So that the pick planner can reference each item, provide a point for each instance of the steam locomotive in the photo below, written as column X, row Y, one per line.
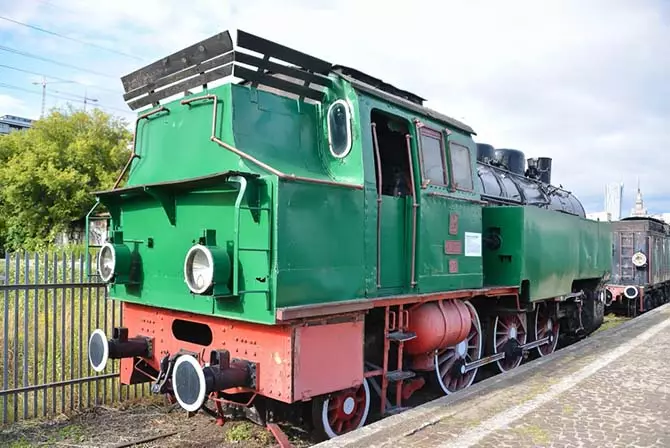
column 311, row 238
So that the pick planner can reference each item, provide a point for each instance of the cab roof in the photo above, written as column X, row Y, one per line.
column 218, row 57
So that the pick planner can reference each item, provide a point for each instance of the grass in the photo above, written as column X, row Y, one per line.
column 568, row 410
column 246, row 432
column 535, row 433
column 22, row 443
column 611, row 321
column 45, row 333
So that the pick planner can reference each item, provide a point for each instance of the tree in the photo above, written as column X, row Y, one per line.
column 48, row 172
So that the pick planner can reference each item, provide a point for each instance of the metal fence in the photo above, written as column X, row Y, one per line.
column 49, row 306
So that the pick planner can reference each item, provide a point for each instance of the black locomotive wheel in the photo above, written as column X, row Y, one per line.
column 509, row 331
column 341, row 412
column 545, row 323
column 450, row 362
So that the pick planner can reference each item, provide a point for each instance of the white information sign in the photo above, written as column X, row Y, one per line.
column 473, row 244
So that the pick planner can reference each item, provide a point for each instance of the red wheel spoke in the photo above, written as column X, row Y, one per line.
column 449, row 354
column 444, row 368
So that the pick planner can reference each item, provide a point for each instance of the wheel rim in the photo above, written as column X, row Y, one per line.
column 345, row 410
column 448, row 362
column 506, row 328
column 546, row 324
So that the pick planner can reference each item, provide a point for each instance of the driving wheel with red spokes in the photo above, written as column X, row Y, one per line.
column 546, row 324
column 509, row 332
column 341, row 412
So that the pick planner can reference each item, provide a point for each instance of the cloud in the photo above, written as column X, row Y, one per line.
column 582, row 82
column 10, row 103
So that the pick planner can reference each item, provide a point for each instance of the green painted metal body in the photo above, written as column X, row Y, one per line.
column 296, row 243
column 550, row 250
column 311, row 243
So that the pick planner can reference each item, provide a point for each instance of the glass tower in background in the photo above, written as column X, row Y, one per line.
column 613, row 196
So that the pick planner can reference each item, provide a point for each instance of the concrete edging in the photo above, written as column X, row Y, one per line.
column 427, row 410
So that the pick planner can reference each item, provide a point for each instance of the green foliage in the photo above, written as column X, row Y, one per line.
column 47, row 173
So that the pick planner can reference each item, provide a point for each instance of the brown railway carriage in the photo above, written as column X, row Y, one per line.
column 640, row 265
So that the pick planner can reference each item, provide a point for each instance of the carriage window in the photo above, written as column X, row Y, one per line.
column 461, row 168
column 432, row 157
column 339, row 129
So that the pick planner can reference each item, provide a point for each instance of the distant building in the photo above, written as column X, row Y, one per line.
column 76, row 231
column 599, row 216
column 639, row 209
column 613, row 197
column 11, row 123
column 665, row 217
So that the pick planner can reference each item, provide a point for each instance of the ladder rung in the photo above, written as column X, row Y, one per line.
column 402, row 336
column 399, row 375
column 253, row 249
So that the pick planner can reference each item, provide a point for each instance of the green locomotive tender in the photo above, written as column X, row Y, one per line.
column 310, row 235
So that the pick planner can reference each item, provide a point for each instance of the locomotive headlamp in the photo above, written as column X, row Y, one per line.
column 639, row 259
column 631, row 292
column 205, row 268
column 114, row 263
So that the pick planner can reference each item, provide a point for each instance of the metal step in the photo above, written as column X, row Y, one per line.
column 399, row 375
column 402, row 336
column 393, row 410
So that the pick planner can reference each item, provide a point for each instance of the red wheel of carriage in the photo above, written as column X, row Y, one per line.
column 341, row 412
column 509, row 330
column 450, row 361
column 545, row 323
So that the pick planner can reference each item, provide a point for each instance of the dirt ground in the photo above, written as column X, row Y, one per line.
column 133, row 422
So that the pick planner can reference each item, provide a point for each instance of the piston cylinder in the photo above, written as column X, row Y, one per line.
column 437, row 325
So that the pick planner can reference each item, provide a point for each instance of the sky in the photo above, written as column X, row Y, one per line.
column 583, row 82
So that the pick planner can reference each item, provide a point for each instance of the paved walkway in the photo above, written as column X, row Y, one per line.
column 610, row 390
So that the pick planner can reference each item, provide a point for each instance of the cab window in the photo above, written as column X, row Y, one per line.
column 461, row 168
column 339, row 129
column 433, row 163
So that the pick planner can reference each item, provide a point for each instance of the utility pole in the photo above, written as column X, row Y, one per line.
column 44, row 94
column 87, row 98
column 44, row 83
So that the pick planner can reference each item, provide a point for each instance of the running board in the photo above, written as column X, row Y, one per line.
column 522, row 349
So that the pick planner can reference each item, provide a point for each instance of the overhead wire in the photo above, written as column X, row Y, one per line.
column 98, row 105
column 62, row 36
column 52, row 61
column 8, row 49
column 56, row 78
